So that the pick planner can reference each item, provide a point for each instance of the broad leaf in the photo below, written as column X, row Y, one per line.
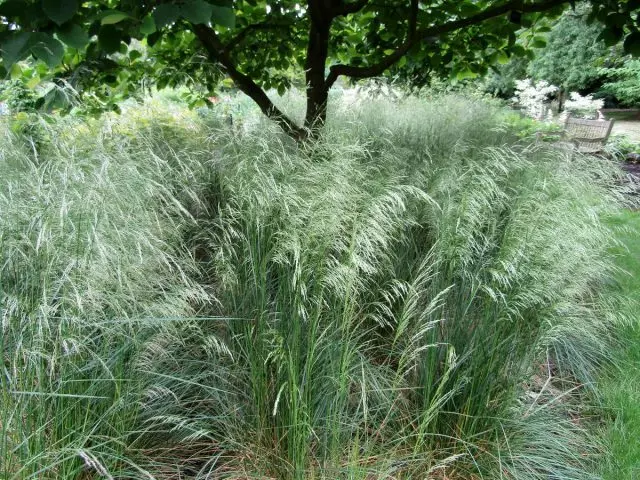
column 518, row 50
column 55, row 99
column 633, row 5
column 46, row 48
column 224, row 16
column 33, row 82
column 15, row 48
column 465, row 74
column 15, row 71
column 74, row 36
column 197, row 11
column 228, row 3
column 12, row 8
column 112, row 17
column 134, row 55
column 539, row 42
column 611, row 36
column 467, row 9
column 166, row 14
column 616, row 19
column 632, row 44
column 148, row 25
column 60, row 11
column 109, row 39
column 502, row 58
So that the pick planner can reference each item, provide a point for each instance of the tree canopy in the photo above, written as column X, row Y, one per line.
column 111, row 47
column 623, row 83
column 573, row 55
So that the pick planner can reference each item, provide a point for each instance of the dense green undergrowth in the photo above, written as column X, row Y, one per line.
column 415, row 296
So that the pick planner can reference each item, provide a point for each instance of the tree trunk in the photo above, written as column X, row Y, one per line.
column 317, row 89
column 561, row 96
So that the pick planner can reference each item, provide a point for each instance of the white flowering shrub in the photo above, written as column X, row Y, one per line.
column 534, row 97
column 582, row 107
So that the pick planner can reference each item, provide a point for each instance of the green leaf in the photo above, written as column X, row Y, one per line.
column 148, row 25
column 134, row 55
column 632, row 5
column 12, row 8
column 60, row 11
column 153, row 38
column 197, row 11
column 632, row 44
column 33, row 82
column 15, row 48
column 112, row 17
column 15, row 71
column 518, row 50
column 616, row 19
column 502, row 58
column 224, row 16
column 467, row 9
column 74, row 36
column 611, row 36
column 166, row 14
column 109, row 39
column 55, row 99
column 464, row 74
column 46, row 48
column 539, row 42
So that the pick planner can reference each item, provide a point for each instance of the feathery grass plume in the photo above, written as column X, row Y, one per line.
column 400, row 300
column 92, row 268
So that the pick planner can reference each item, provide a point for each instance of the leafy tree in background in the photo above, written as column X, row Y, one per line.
column 257, row 43
column 501, row 82
column 623, row 83
column 573, row 55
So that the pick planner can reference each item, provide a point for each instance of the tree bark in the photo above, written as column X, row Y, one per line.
column 317, row 90
column 561, row 98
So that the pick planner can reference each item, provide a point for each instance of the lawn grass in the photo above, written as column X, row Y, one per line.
column 621, row 390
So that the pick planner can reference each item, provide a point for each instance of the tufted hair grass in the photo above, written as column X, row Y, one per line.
column 414, row 296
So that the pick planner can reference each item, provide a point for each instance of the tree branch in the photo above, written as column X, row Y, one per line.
column 429, row 33
column 413, row 20
column 218, row 53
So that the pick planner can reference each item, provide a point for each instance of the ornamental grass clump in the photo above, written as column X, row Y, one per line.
column 415, row 295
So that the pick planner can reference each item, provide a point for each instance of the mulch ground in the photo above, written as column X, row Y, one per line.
column 632, row 169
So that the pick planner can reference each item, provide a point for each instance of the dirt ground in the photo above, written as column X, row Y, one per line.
column 627, row 122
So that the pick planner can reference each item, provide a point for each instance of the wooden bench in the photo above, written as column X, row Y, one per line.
column 588, row 136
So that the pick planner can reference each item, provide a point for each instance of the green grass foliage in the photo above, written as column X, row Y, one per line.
column 414, row 296
column 620, row 386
